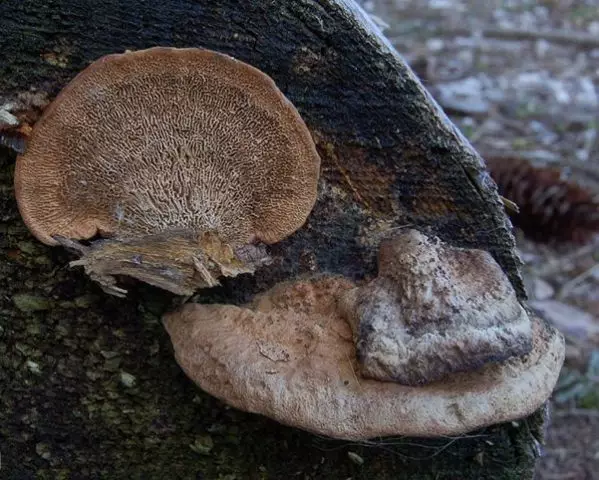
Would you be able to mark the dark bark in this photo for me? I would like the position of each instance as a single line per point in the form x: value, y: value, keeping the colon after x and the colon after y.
x: 390, y: 158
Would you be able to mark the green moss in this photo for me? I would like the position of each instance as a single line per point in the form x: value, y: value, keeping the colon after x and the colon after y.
x: 31, y: 303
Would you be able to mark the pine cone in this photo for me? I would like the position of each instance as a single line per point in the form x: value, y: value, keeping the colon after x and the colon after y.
x: 552, y: 210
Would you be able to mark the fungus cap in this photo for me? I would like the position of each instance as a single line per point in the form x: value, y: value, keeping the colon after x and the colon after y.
x: 290, y: 356
x: 143, y: 142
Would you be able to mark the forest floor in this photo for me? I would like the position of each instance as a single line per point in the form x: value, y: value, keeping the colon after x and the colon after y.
x: 521, y: 78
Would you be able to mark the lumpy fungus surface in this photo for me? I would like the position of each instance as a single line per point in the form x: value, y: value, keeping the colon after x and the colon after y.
x: 290, y: 355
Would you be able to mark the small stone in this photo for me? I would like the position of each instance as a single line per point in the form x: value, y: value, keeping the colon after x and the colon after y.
x: 464, y: 96
x: 567, y: 318
x: 542, y: 290
x: 542, y: 48
x: 586, y: 94
x: 441, y: 4
x: 560, y: 91
x: 31, y: 303
x: 435, y: 44
x: 355, y: 458
x: 127, y: 380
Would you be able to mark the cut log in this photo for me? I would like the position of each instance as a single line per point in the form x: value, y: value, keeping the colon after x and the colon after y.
x: 89, y: 385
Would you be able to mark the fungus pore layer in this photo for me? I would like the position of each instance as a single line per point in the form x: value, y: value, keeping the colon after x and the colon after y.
x: 168, y: 138
x: 164, y: 139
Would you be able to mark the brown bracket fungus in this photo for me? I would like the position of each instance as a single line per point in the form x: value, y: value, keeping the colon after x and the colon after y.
x: 184, y: 159
x: 434, y: 310
x: 290, y: 356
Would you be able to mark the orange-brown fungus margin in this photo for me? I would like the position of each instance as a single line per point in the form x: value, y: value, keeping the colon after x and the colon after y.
x: 144, y: 142
x: 167, y: 141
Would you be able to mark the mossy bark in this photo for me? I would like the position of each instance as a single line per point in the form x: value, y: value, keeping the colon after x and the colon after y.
x: 88, y: 384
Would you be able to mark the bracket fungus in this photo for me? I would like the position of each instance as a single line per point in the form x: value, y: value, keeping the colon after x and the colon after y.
x: 290, y: 355
x: 434, y: 310
x: 186, y: 161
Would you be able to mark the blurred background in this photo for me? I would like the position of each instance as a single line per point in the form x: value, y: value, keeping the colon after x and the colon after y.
x: 520, y: 78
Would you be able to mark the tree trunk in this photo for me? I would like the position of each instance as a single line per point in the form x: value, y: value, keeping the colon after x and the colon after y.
x: 89, y: 385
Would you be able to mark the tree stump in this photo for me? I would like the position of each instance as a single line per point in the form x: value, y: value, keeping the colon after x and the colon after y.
x: 89, y: 385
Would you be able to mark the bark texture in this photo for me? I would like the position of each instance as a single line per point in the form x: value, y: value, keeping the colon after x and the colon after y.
x: 88, y: 384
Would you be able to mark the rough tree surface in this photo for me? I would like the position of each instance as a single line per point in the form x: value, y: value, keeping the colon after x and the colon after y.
x: 88, y: 384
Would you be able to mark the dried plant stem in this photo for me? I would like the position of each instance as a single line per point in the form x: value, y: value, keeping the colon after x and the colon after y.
x: 556, y: 36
